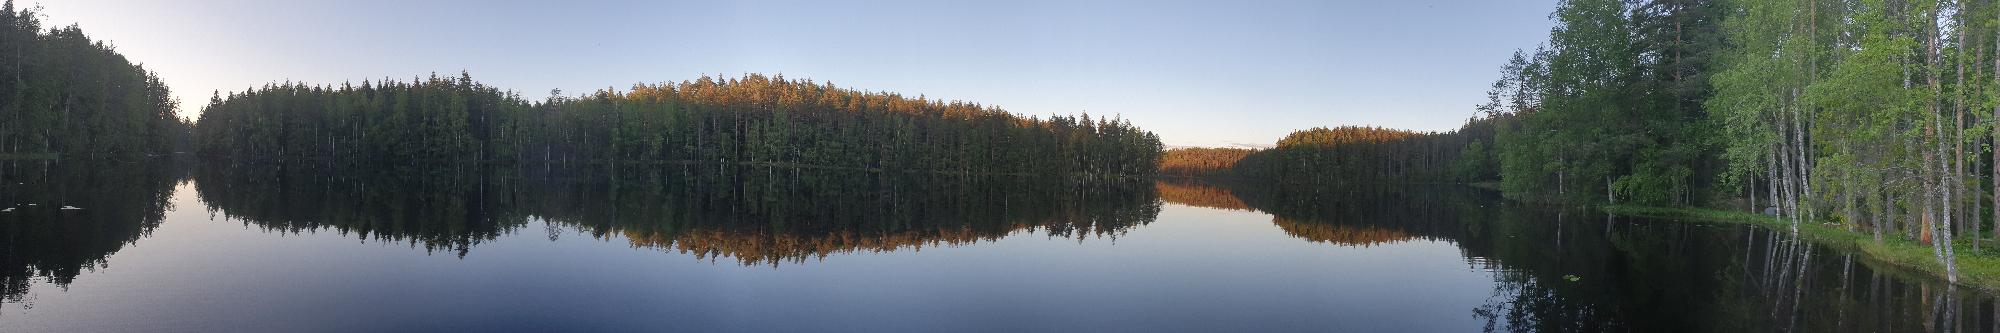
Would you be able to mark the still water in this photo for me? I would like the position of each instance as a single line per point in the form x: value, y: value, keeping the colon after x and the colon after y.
x: 160, y: 247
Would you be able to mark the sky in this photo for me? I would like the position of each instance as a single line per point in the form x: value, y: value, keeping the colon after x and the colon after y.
x: 1198, y: 73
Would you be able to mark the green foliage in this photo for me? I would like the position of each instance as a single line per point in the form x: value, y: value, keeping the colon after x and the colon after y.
x: 1201, y: 162
x: 1475, y: 163
x: 1867, y: 111
x: 1350, y: 154
x: 1611, y: 107
x: 62, y: 93
x: 749, y: 120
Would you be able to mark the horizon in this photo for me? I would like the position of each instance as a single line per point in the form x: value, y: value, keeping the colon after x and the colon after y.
x: 1301, y: 64
x: 1035, y: 165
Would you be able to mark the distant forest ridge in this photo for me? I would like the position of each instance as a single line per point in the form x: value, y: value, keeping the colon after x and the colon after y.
x: 63, y: 95
x: 753, y: 119
x: 1351, y: 154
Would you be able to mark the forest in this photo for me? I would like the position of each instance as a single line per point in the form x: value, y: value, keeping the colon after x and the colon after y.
x: 1857, y: 113
x: 1861, y: 114
x: 1353, y: 154
x: 1201, y: 162
x: 1864, y: 114
x: 62, y: 94
x: 1349, y: 154
x: 753, y: 119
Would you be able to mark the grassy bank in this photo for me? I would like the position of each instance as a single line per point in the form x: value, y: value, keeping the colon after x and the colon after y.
x: 1976, y: 268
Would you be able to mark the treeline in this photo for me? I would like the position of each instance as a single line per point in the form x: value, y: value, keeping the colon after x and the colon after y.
x: 64, y: 94
x: 1201, y: 162
x: 1856, y: 112
x: 753, y: 119
x: 1871, y: 117
x: 1353, y: 154
x: 1610, y: 109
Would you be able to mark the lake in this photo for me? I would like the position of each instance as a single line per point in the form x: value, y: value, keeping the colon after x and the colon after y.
x: 154, y: 246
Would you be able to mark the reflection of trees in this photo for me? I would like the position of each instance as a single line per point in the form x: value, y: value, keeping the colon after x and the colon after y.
x: 1198, y: 194
x: 443, y: 209
x: 1667, y: 276
x: 1349, y: 235
x: 121, y: 202
x: 756, y: 215
x: 1367, y: 215
x: 1631, y: 274
x: 762, y: 216
x: 1349, y: 216
x: 1425, y: 212
x: 1532, y: 253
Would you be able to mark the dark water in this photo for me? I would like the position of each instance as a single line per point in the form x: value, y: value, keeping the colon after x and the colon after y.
x: 645, y: 248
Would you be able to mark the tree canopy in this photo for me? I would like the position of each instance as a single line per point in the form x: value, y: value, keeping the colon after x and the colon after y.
x: 62, y: 93
x: 754, y: 119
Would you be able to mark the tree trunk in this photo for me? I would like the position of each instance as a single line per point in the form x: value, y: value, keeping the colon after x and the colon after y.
x: 1771, y: 177
x: 1941, y: 245
x: 1958, y: 117
x: 1802, y: 200
x: 1996, y: 135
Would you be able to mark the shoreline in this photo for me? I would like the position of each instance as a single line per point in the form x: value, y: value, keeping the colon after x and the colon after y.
x: 1977, y: 268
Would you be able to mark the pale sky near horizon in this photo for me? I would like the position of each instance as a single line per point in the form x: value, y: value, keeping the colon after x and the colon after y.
x: 1198, y: 73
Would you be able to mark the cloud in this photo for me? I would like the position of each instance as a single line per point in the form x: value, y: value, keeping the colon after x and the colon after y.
x: 1252, y: 145
x: 1225, y: 145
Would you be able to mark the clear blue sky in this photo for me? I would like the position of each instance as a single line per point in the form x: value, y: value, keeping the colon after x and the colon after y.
x: 1211, y: 73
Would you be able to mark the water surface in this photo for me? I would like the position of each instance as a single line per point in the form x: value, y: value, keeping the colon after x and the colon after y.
x: 160, y: 247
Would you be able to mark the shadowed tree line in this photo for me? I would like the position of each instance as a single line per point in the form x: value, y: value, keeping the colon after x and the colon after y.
x: 62, y: 94
x: 754, y: 119
x: 1350, y: 155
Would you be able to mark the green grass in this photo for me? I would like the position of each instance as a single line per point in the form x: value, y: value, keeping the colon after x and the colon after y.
x: 1977, y: 268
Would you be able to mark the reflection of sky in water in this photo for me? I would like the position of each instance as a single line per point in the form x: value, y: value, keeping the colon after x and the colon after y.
x: 1404, y: 259
x: 1195, y: 268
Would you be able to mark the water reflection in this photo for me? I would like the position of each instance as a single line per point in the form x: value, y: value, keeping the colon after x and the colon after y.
x: 1558, y: 269
x: 1540, y: 268
x: 1348, y: 216
x: 438, y: 211
x: 751, y: 215
x: 769, y: 216
x: 59, y: 219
